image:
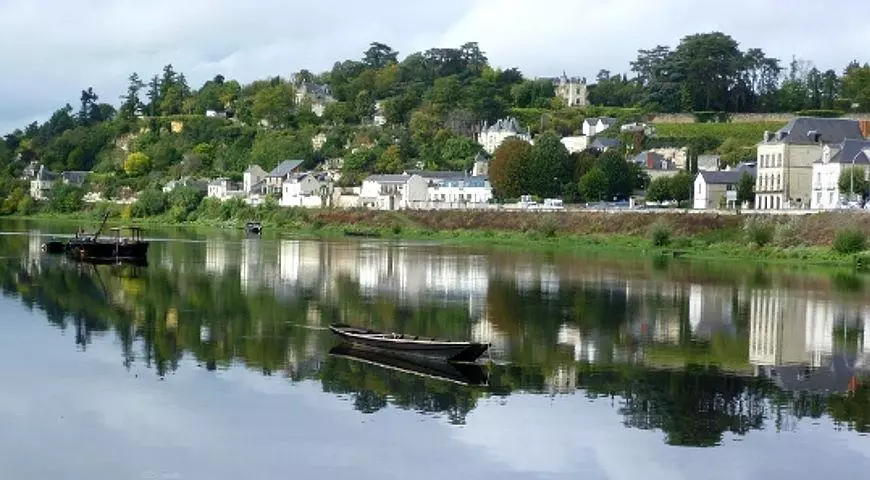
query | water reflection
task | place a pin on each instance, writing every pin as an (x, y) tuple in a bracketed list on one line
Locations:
[(694, 350)]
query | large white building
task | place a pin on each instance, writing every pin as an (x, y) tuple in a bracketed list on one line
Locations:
[(572, 91), (304, 190), (460, 193), (595, 125), (319, 95), (785, 160), (393, 192), (492, 136), (827, 169)]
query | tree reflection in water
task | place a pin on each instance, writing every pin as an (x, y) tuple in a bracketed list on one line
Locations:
[(659, 381)]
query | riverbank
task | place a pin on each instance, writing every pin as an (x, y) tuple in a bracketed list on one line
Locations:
[(804, 240)]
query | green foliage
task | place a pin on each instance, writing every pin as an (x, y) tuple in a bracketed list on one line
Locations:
[(390, 161), (547, 167), (746, 189), (620, 178), (823, 113), (850, 240), (137, 164), (593, 185), (853, 180), (759, 231), (151, 202), (659, 190), (65, 198), (184, 201), (507, 170), (743, 134), (660, 234), (682, 187), (274, 104)]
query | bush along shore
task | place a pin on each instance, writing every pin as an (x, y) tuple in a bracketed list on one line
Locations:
[(823, 238)]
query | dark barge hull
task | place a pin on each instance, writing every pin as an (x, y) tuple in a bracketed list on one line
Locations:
[(408, 346), (461, 373), (106, 251)]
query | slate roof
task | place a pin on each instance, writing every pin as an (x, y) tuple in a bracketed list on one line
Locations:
[(605, 120), (603, 142), (45, 174), (285, 168), (388, 178), (727, 177), (509, 124), (437, 175), (251, 168), (832, 130), (75, 177), (642, 157), (850, 149)]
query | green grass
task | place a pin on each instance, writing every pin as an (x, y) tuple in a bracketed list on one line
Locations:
[(747, 134)]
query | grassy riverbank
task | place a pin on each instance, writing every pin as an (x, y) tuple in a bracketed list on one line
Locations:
[(796, 240)]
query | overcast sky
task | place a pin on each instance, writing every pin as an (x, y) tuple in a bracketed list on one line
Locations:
[(54, 48)]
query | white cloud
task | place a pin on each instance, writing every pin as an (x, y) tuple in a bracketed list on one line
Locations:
[(56, 48)]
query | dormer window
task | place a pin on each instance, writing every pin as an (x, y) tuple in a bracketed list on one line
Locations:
[(826, 154)]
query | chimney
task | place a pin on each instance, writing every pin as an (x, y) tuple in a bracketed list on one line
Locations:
[(864, 125), (768, 136)]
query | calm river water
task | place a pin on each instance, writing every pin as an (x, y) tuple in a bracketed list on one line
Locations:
[(213, 363)]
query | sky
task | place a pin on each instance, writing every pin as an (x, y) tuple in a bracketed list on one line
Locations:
[(56, 48)]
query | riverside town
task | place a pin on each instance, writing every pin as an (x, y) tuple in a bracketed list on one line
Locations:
[(480, 260)]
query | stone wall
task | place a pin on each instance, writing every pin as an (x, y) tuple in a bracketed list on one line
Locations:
[(741, 117)]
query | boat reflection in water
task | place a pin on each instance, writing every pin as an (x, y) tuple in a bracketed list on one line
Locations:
[(467, 374)]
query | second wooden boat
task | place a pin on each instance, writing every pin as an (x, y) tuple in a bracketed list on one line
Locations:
[(410, 346)]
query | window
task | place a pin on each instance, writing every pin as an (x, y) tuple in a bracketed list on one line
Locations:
[(778, 159)]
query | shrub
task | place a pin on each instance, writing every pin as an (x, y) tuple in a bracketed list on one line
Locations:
[(785, 234), (548, 227), (150, 202), (758, 231), (820, 113), (661, 235), (850, 240)]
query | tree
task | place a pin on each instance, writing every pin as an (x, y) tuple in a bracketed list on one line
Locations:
[(620, 182), (66, 198), (659, 190), (548, 167), (275, 105), (137, 164), (132, 104), (390, 161), (89, 113), (506, 169), (154, 96), (853, 182), (746, 189), (593, 185), (458, 153), (379, 55), (682, 187), (856, 86), (151, 202)]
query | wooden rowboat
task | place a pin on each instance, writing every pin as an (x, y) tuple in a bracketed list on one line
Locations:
[(410, 346), (469, 374)]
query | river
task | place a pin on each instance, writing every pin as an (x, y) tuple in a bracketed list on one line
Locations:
[(213, 362)]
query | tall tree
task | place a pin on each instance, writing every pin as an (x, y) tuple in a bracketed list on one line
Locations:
[(154, 96), (506, 170), (131, 102), (88, 113), (379, 55), (547, 168)]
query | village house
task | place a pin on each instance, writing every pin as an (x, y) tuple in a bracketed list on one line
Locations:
[(836, 159), (44, 180), (393, 192), (492, 136), (319, 95), (575, 144), (201, 185), (318, 141), (279, 174), (481, 165), (223, 189), (572, 91), (655, 165), (460, 192), (379, 119), (305, 190), (252, 179), (785, 160), (714, 190), (596, 125), (603, 144)]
